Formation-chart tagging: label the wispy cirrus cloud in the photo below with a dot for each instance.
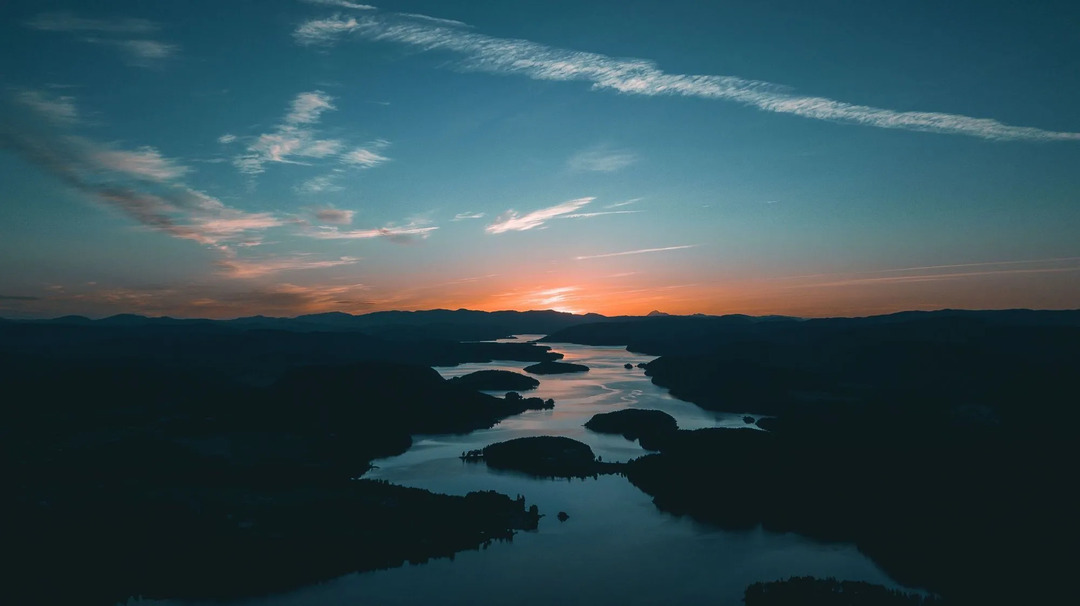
(307, 107)
(935, 273)
(643, 77)
(341, 4)
(66, 21)
(219, 298)
(367, 155)
(295, 141)
(59, 109)
(291, 139)
(117, 32)
(141, 53)
(243, 269)
(324, 31)
(512, 221)
(600, 160)
(320, 184)
(143, 163)
(640, 251)
(142, 184)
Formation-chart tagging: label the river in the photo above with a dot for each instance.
(615, 548)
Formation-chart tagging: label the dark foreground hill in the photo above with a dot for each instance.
(936, 442)
(127, 478)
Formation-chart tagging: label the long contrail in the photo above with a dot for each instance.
(643, 77)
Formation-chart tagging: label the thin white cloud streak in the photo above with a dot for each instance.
(644, 77)
(987, 264)
(511, 221)
(396, 234)
(341, 4)
(145, 162)
(335, 216)
(601, 213)
(53, 108)
(235, 268)
(226, 139)
(65, 21)
(141, 51)
(937, 277)
(467, 215)
(601, 161)
(626, 203)
(1051, 260)
(640, 251)
(367, 156)
(439, 20)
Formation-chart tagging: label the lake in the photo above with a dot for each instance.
(616, 547)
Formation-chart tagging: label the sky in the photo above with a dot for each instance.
(839, 158)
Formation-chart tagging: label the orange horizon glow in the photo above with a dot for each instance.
(607, 293)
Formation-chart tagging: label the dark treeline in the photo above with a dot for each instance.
(808, 591)
(496, 380)
(936, 442)
(128, 475)
(258, 355)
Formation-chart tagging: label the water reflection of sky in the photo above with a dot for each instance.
(616, 547)
(608, 386)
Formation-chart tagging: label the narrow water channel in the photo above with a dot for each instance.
(615, 548)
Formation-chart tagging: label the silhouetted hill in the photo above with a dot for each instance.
(458, 325)
(258, 354)
(126, 477)
(699, 334)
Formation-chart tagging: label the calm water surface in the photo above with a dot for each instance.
(616, 547)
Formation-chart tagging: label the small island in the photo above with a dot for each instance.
(518, 404)
(496, 380)
(650, 427)
(555, 368)
(544, 456)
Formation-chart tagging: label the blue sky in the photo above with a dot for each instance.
(219, 159)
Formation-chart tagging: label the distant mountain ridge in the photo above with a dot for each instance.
(460, 324)
(473, 325)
